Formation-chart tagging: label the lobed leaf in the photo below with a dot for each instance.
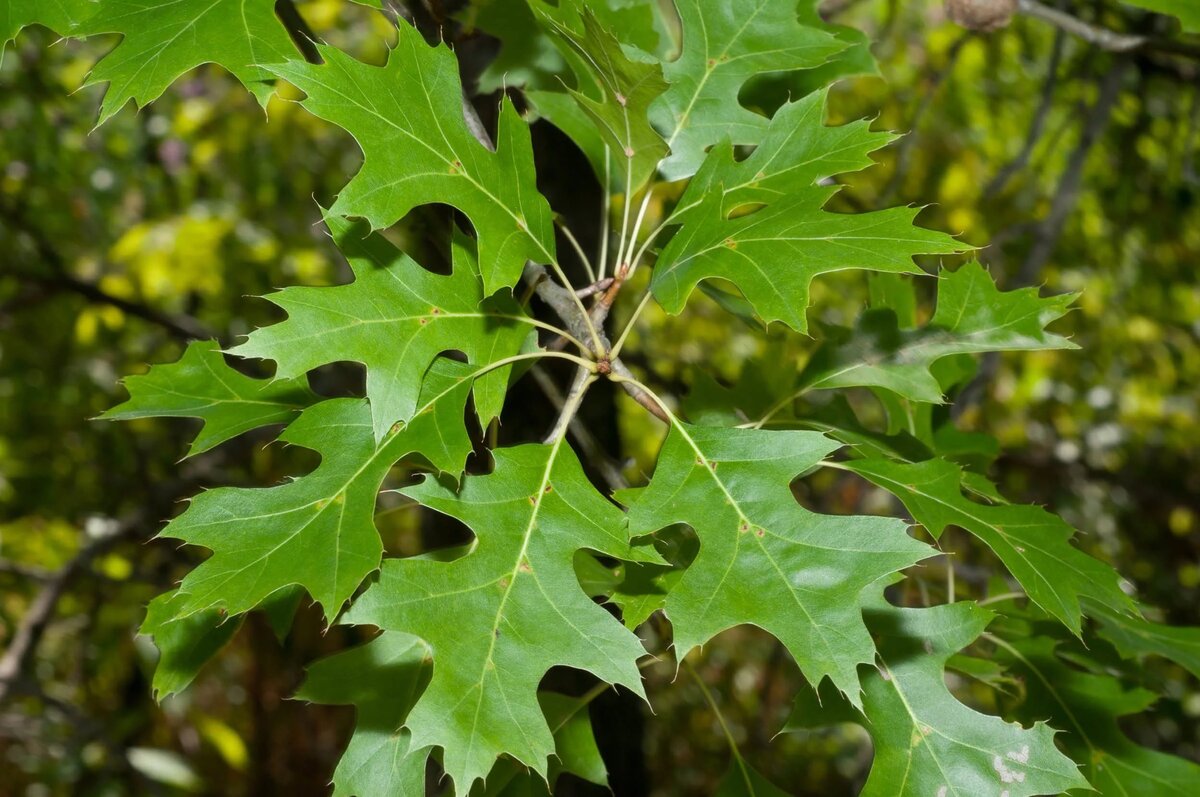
(972, 317)
(773, 254)
(1088, 708)
(926, 741)
(764, 559)
(201, 385)
(163, 40)
(796, 152)
(528, 57)
(498, 618)
(619, 98)
(395, 319)
(407, 117)
(724, 46)
(317, 531)
(59, 16)
(1033, 544)
(382, 680)
(1135, 636)
(186, 643)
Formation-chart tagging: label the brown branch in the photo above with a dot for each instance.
(594, 288)
(908, 143)
(23, 571)
(561, 300)
(1049, 229)
(297, 27)
(589, 446)
(563, 304)
(1067, 193)
(183, 327)
(18, 657)
(828, 9)
(1104, 38)
(62, 280)
(1037, 127)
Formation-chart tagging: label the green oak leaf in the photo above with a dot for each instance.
(626, 88)
(1133, 636)
(407, 118)
(762, 388)
(528, 57)
(1187, 11)
(499, 617)
(574, 741)
(59, 16)
(972, 316)
(775, 89)
(382, 680)
(317, 531)
(926, 741)
(395, 318)
(1088, 707)
(724, 46)
(856, 60)
(163, 40)
(763, 558)
(575, 751)
(839, 420)
(201, 385)
(710, 403)
(896, 293)
(642, 587)
(743, 780)
(562, 111)
(1034, 545)
(185, 644)
(772, 254)
(797, 150)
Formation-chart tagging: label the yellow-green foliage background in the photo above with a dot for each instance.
(201, 201)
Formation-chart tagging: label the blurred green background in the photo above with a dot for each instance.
(1075, 168)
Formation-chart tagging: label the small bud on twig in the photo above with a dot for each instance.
(981, 15)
